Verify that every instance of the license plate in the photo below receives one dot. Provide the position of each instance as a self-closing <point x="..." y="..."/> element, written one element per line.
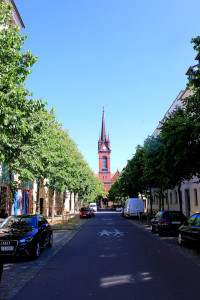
<point x="7" y="248"/>
<point x="176" y="222"/>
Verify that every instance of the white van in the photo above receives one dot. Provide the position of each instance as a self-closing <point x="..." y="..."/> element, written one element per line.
<point x="133" y="207"/>
<point x="93" y="206"/>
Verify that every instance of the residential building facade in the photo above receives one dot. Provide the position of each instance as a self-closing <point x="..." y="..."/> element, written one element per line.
<point x="190" y="189"/>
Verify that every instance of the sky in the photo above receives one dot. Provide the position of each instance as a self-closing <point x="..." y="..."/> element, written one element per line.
<point x="129" y="55"/>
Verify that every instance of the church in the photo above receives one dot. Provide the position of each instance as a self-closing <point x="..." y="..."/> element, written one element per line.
<point x="104" y="151"/>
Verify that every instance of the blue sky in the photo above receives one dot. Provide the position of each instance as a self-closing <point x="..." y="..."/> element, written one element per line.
<point x="129" y="55"/>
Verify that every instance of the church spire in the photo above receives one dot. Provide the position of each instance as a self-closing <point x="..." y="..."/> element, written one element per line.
<point x="103" y="128"/>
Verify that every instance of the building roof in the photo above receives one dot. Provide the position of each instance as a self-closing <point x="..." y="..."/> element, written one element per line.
<point x="191" y="68"/>
<point x="197" y="57"/>
<point x="176" y="102"/>
<point x="16" y="15"/>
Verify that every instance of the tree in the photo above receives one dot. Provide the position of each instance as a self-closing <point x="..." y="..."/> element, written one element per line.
<point x="178" y="159"/>
<point x="192" y="106"/>
<point x="16" y="110"/>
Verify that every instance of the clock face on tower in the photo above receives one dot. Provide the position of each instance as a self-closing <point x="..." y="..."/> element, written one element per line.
<point x="104" y="148"/>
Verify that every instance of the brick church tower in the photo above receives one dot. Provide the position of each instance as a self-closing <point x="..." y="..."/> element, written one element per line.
<point x="104" y="155"/>
<point x="104" y="161"/>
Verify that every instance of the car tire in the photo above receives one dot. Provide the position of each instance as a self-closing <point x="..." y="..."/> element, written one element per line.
<point x="50" y="242"/>
<point x="37" y="250"/>
<point x="160" y="233"/>
<point x="152" y="229"/>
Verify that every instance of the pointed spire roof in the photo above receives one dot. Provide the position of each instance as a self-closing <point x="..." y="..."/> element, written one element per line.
<point x="103" y="127"/>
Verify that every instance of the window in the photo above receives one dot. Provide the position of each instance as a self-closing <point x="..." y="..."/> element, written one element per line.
<point x="104" y="163"/>
<point x="195" y="197"/>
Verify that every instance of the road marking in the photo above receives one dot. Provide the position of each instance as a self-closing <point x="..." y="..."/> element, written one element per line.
<point x="108" y="233"/>
<point x="117" y="232"/>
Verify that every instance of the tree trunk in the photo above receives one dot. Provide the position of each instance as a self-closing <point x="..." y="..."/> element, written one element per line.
<point x="151" y="203"/>
<point x="70" y="201"/>
<point x="75" y="202"/>
<point x="180" y="198"/>
<point x="11" y="192"/>
<point x="53" y="206"/>
<point x="37" y="196"/>
<point x="63" y="204"/>
<point x="159" y="201"/>
<point x="162" y="199"/>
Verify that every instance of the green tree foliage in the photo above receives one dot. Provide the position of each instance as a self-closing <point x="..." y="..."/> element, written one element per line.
<point x="16" y="111"/>
<point x="192" y="106"/>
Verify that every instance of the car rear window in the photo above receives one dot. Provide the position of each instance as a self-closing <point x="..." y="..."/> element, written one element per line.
<point x="84" y="209"/>
<point x="172" y="215"/>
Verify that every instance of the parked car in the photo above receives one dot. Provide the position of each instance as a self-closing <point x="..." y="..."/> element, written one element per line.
<point x="167" y="221"/>
<point x="118" y="208"/>
<point x="85" y="212"/>
<point x="25" y="235"/>
<point x="189" y="232"/>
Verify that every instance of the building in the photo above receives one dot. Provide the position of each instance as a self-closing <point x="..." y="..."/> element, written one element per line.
<point x="16" y="18"/>
<point x="190" y="189"/>
<point x="104" y="151"/>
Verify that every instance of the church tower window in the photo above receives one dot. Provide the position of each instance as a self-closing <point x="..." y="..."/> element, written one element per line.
<point x="104" y="162"/>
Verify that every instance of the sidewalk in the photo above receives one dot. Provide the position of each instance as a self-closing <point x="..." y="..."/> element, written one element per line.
<point x="70" y="222"/>
<point x="144" y="224"/>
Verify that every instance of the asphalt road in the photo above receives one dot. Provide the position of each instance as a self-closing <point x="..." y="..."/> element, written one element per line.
<point x="110" y="258"/>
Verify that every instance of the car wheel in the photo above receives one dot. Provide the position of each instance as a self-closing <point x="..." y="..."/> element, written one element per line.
<point x="152" y="229"/>
<point x="36" y="251"/>
<point x="160" y="233"/>
<point x="50" y="242"/>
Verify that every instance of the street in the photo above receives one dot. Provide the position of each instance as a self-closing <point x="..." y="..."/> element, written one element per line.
<point x="110" y="258"/>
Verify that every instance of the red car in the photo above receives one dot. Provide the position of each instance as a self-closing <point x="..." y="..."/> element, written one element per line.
<point x="85" y="212"/>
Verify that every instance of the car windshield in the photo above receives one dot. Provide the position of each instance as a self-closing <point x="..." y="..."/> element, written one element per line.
<point x="20" y="223"/>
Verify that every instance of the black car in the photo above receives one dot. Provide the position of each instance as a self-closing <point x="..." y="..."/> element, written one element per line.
<point x="25" y="235"/>
<point x="189" y="232"/>
<point x="167" y="221"/>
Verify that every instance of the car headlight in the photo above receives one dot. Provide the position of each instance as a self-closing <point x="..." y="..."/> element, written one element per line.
<point x="26" y="240"/>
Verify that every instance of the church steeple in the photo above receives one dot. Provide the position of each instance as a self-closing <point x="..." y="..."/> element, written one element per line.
<point x="104" y="157"/>
<point x="103" y="127"/>
<point x="104" y="139"/>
